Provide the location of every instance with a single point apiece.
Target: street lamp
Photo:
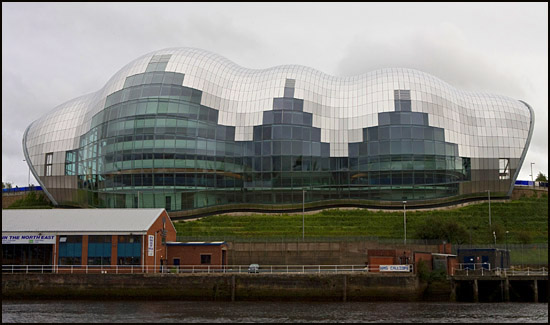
(405, 222)
(303, 212)
(29, 175)
(489, 194)
(507, 240)
(532, 174)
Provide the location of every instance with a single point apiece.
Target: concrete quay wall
(224, 287)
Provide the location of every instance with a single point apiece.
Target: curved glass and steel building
(186, 129)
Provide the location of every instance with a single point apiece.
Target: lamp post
(303, 212)
(405, 222)
(28, 175)
(489, 194)
(532, 174)
(507, 240)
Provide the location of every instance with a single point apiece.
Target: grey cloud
(443, 53)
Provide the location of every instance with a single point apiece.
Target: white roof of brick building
(67, 221)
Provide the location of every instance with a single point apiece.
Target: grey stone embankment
(228, 287)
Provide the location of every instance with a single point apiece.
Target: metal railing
(133, 269)
(465, 269)
(474, 266)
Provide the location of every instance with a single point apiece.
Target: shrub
(31, 200)
(524, 237)
(422, 271)
(438, 228)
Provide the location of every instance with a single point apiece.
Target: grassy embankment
(526, 220)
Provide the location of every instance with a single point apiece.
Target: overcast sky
(54, 52)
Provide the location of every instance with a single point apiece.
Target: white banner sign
(151, 250)
(28, 239)
(395, 268)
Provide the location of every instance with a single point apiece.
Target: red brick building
(90, 239)
(377, 257)
(197, 253)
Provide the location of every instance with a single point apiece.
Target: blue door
(176, 262)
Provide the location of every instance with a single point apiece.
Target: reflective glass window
(277, 117)
(268, 117)
(384, 118)
(395, 147)
(372, 134)
(308, 119)
(417, 118)
(276, 147)
(395, 118)
(287, 117)
(316, 149)
(439, 148)
(297, 118)
(384, 147)
(428, 133)
(439, 134)
(406, 132)
(406, 147)
(297, 133)
(418, 147)
(417, 132)
(429, 147)
(277, 132)
(395, 132)
(316, 134)
(325, 150)
(384, 133)
(286, 147)
(296, 147)
(373, 148)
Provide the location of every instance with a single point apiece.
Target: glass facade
(129, 250)
(99, 250)
(184, 129)
(70, 250)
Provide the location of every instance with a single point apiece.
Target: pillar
(345, 288)
(535, 291)
(84, 259)
(476, 292)
(453, 290)
(114, 250)
(507, 290)
(233, 288)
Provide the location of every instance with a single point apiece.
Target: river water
(69, 311)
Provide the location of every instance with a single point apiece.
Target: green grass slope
(525, 219)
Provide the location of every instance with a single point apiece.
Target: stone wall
(525, 191)
(228, 287)
(9, 198)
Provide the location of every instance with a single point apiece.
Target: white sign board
(395, 268)
(151, 247)
(28, 239)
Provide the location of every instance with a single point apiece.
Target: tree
(541, 178)
(6, 185)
